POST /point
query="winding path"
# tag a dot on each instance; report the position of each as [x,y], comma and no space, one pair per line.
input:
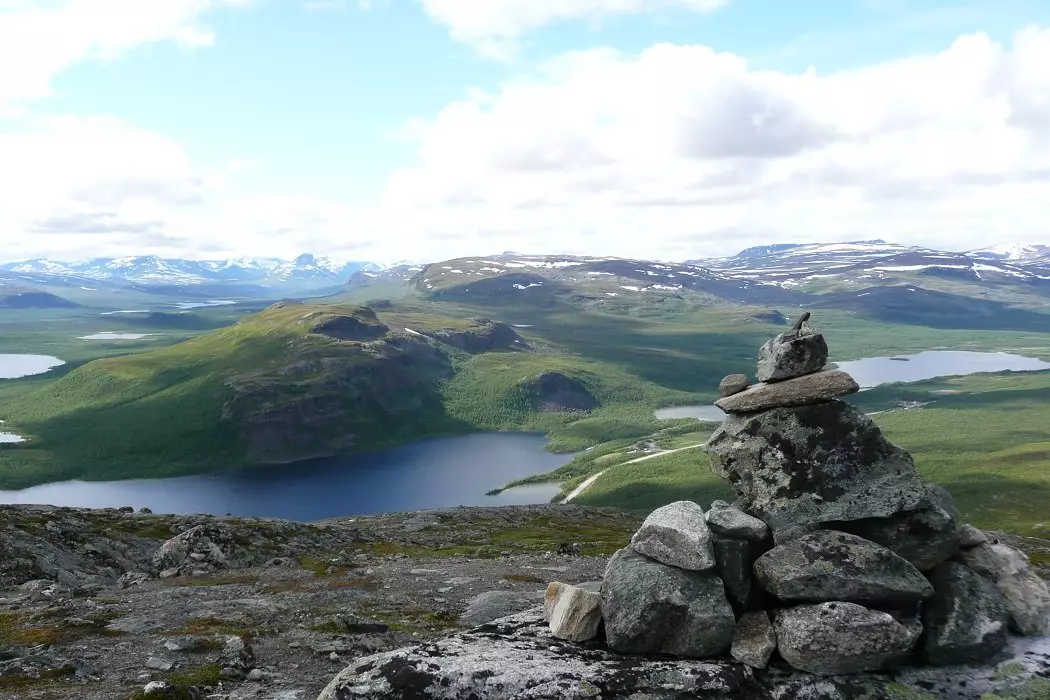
[589,481]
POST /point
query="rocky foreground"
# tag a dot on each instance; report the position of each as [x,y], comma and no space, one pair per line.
[95,606]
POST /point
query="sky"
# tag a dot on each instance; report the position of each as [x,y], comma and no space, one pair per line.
[422,130]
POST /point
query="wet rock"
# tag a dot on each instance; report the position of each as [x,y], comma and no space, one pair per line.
[808,389]
[970,536]
[732,384]
[727,521]
[494,604]
[1027,597]
[838,637]
[733,562]
[925,537]
[649,607]
[792,354]
[966,619]
[754,640]
[676,535]
[573,613]
[798,468]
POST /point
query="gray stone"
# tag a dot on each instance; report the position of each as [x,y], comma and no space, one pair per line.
[211,543]
[925,537]
[797,468]
[838,637]
[238,654]
[649,607]
[159,664]
[733,562]
[256,675]
[133,578]
[733,384]
[970,536]
[158,688]
[491,605]
[1027,597]
[592,586]
[754,640]
[828,565]
[800,391]
[676,535]
[792,354]
[727,521]
[573,613]
[966,619]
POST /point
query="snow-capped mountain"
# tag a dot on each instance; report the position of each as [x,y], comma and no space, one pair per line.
[1025,253]
[873,262]
[305,271]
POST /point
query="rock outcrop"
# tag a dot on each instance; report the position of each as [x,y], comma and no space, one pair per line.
[553,392]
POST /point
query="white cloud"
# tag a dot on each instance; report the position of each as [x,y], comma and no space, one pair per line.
[493,25]
[39,39]
[675,152]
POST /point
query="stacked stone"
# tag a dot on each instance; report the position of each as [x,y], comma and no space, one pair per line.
[835,553]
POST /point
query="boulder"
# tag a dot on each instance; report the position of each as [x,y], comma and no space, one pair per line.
[732,384]
[800,391]
[1027,596]
[798,468]
[966,619]
[925,537]
[792,354]
[573,613]
[728,521]
[676,535]
[203,545]
[828,565]
[516,657]
[733,561]
[838,637]
[653,608]
[491,605]
[754,640]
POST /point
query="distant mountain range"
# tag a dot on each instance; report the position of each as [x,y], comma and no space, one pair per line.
[305,270]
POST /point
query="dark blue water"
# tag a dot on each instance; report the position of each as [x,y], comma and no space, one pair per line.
[439,473]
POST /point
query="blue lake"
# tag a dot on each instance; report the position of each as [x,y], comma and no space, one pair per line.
[440,473]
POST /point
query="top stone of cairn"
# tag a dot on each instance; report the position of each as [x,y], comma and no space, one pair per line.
[796,353]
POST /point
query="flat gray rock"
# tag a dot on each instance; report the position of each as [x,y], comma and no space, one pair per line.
[798,468]
[676,535]
[836,638]
[828,565]
[653,608]
[494,604]
[800,391]
[966,620]
[792,354]
[728,521]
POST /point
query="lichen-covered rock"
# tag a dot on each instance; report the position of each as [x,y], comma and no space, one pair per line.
[732,384]
[728,521]
[1027,596]
[573,613]
[653,608]
[754,640]
[201,546]
[798,468]
[837,637]
[800,391]
[925,537]
[966,619]
[792,354]
[676,535]
[827,565]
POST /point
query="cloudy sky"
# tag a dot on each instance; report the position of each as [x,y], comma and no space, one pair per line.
[428,129]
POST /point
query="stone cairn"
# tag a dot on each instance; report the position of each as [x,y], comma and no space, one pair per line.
[835,555]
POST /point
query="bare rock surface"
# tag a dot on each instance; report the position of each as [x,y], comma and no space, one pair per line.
[810,388]
[792,354]
[676,535]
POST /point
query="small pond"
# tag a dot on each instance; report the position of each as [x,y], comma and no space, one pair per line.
[440,473]
[14,366]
